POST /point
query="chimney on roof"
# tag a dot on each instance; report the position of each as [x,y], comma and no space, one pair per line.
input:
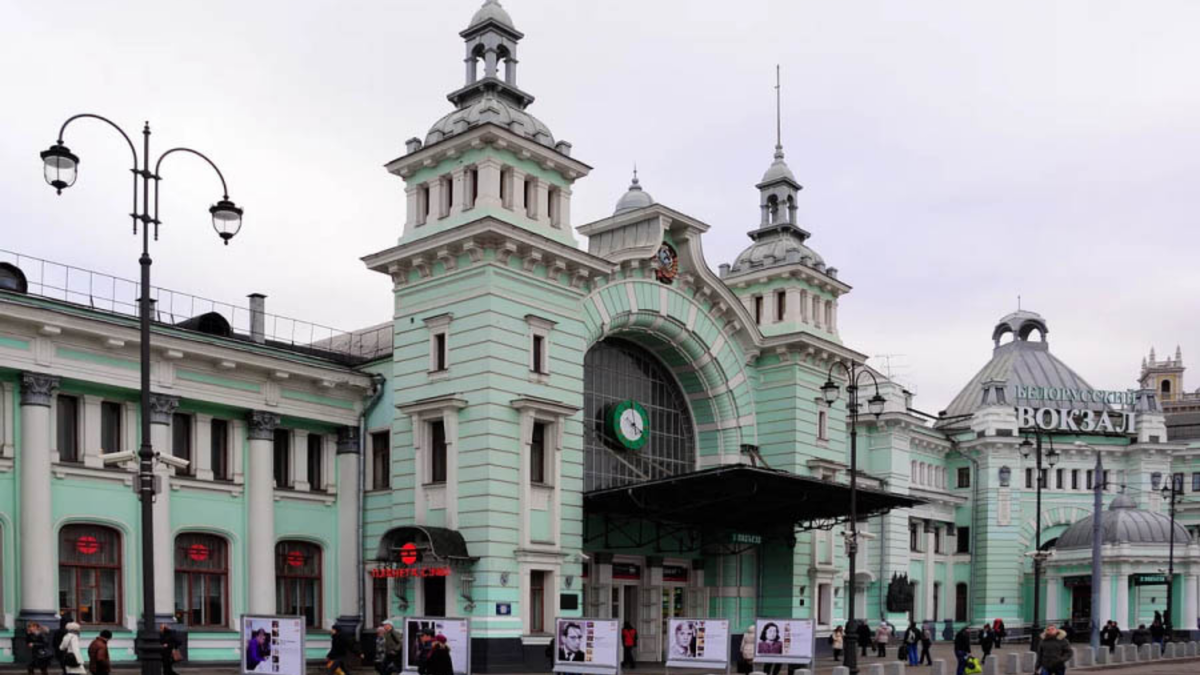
[258,317]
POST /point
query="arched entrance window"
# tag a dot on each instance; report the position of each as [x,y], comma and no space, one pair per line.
[201,580]
[617,371]
[298,580]
[89,573]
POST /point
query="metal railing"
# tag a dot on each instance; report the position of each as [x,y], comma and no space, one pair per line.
[115,295]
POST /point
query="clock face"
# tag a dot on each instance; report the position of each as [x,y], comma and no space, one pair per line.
[629,424]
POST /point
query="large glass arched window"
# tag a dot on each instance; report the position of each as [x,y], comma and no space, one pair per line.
[298,580]
[201,580]
[89,573]
[616,371]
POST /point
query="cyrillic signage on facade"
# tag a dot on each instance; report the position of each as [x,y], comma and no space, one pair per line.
[1075,420]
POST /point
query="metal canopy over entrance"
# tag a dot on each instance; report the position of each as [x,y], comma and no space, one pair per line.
[430,544]
[699,507]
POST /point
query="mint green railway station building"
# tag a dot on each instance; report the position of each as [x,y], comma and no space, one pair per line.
[558,420]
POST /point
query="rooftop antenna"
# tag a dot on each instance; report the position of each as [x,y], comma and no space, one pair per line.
[1018,301]
[778,115]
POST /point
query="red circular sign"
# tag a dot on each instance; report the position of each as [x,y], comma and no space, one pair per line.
[198,552]
[408,553]
[87,545]
[295,558]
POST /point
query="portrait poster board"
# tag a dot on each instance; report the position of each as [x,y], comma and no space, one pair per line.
[784,641]
[272,644]
[588,646]
[458,637]
[698,643]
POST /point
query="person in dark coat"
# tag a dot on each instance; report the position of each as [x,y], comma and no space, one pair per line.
[440,662]
[987,639]
[864,636]
[170,645]
[99,662]
[962,649]
[341,645]
[1140,635]
[1053,652]
[926,644]
[998,631]
[1157,631]
[37,638]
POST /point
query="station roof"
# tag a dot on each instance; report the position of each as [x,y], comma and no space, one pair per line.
[741,497]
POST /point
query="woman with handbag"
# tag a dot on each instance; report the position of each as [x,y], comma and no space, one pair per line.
[170,649]
[72,656]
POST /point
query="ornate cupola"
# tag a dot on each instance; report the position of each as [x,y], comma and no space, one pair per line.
[489,158]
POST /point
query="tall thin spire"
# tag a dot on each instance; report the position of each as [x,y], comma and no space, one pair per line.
[778,113]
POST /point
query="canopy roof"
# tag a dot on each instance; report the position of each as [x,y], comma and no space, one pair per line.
[438,544]
[742,498]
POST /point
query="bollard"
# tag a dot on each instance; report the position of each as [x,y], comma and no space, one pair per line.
[1085,656]
[1131,653]
[1012,664]
[939,667]
[894,668]
[989,666]
[803,671]
[1169,651]
[875,669]
[1028,659]
[1192,649]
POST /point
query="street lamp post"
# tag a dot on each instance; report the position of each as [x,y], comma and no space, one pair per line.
[875,405]
[1051,458]
[1171,493]
[61,168]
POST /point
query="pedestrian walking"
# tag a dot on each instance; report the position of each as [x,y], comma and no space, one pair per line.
[629,640]
[987,639]
[926,644]
[1053,652]
[99,662]
[863,632]
[999,632]
[882,635]
[170,649]
[838,640]
[37,639]
[341,646]
[962,649]
[393,648]
[56,640]
[912,637]
[1157,630]
[72,656]
[440,662]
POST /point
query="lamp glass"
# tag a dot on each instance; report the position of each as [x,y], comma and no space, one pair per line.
[830,391]
[1026,447]
[875,405]
[59,167]
[227,219]
[1052,457]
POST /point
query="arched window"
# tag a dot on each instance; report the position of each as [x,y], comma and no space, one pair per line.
[201,580]
[960,602]
[772,209]
[1166,387]
[298,580]
[89,573]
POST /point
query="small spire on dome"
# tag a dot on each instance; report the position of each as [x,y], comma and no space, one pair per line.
[635,197]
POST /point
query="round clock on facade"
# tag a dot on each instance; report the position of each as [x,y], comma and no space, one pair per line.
[629,424]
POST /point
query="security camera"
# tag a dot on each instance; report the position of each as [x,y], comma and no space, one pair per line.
[118,457]
[583,557]
[172,460]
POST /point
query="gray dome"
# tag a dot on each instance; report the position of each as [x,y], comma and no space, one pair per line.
[1124,523]
[774,246]
[778,169]
[490,108]
[634,198]
[491,10]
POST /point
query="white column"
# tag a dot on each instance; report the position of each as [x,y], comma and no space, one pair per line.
[1053,585]
[300,460]
[1191,588]
[518,191]
[489,183]
[542,195]
[459,191]
[435,201]
[349,454]
[1122,616]
[260,493]
[202,452]
[1106,612]
[412,202]
[161,409]
[930,544]
[36,544]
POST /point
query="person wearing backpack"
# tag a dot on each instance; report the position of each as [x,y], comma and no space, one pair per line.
[926,644]
[962,649]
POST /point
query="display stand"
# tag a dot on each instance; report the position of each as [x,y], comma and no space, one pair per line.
[698,643]
[790,641]
[272,644]
[458,638]
[587,646]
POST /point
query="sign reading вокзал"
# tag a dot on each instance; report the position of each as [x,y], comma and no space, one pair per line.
[1055,410]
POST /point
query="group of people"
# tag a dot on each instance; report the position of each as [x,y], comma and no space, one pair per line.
[1110,635]
[431,652]
[65,647]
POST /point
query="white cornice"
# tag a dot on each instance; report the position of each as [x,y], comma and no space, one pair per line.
[483,135]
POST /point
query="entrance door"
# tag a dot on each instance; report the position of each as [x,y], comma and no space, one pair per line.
[434,591]
[1081,604]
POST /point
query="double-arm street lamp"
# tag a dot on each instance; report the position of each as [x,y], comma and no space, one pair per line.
[61,169]
[875,404]
[1039,556]
[1172,491]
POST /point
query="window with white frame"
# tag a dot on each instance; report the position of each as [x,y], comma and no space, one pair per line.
[538,456]
[381,460]
[67,409]
[438,461]
[111,414]
[181,443]
[439,342]
[822,425]
[219,449]
[539,344]
[316,462]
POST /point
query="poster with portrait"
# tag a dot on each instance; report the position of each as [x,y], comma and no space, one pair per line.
[420,633]
[272,644]
[590,646]
[783,641]
[698,643]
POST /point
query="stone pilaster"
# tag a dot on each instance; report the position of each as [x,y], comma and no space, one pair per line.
[36,544]
[162,408]
[260,539]
[350,576]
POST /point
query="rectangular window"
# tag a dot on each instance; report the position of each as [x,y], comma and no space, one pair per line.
[914,537]
[1043,481]
[1074,479]
[758,309]
[964,540]
[219,449]
[380,611]
[110,426]
[447,195]
[437,451]
[554,206]
[1196,482]
[181,442]
[822,425]
[537,602]
[1177,481]
[1058,479]
[537,454]
[1105,484]
[68,428]
[530,192]
[937,540]
[964,476]
[1090,478]
[381,460]
[960,602]
[505,183]
[439,352]
[1028,479]
[780,305]
[283,458]
[316,462]
[473,189]
[423,206]
[539,354]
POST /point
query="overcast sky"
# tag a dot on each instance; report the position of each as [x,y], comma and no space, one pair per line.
[954,155]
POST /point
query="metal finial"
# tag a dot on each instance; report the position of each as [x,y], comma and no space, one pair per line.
[778,113]
[635,178]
